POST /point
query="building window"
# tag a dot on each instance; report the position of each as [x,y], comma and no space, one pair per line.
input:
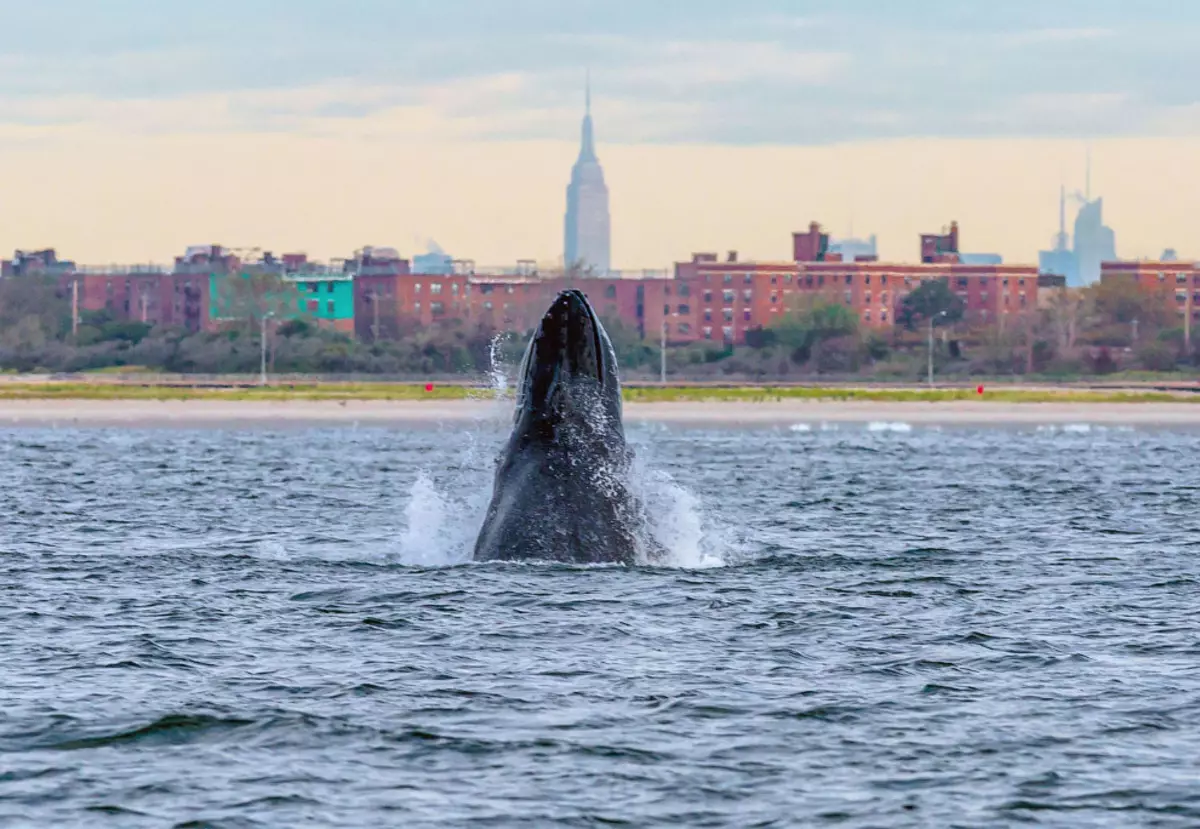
[684,328]
[808,281]
[727,331]
[314,305]
[684,291]
[748,294]
[867,279]
[708,296]
[883,298]
[329,290]
[748,279]
[729,297]
[509,289]
[1180,278]
[728,315]
[849,297]
[435,287]
[728,278]
[962,282]
[746,315]
[487,306]
[849,279]
[329,307]
[417,308]
[683,309]
[883,316]
[774,298]
[866,316]
[820,280]
[708,332]
[1162,277]
[708,315]
[666,310]
[867,298]
[610,292]
[774,280]
[485,289]
[883,279]
[437,307]
[454,288]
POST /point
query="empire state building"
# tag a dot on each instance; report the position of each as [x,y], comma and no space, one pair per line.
[586,241]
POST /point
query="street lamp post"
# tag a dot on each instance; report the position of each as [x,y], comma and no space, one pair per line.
[931,320]
[662,352]
[263,344]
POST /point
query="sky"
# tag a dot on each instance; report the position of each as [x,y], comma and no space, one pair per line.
[130,129]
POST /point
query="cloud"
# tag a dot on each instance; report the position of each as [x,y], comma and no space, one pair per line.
[700,71]
[1037,37]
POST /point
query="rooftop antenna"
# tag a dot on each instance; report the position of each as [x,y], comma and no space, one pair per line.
[1087,182]
[587,93]
[1062,210]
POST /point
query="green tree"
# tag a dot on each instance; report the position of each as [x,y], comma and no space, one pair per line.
[812,321]
[37,297]
[249,296]
[932,299]
[1118,302]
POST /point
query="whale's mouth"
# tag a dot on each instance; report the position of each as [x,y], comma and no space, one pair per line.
[569,338]
[569,363]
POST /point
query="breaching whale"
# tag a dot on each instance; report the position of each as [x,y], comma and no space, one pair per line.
[561,490]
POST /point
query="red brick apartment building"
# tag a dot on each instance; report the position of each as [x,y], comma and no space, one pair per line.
[728,298]
[1180,278]
[144,295]
[390,300]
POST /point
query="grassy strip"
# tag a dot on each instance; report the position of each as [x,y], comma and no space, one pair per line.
[402,391]
[343,391]
[768,394]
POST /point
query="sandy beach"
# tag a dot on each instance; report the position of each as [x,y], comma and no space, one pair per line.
[303,413]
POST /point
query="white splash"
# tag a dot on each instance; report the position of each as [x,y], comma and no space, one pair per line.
[439,529]
[496,372]
[801,427]
[880,426]
[676,523]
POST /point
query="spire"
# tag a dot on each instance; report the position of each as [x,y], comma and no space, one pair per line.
[587,149]
[1087,185]
[1062,210]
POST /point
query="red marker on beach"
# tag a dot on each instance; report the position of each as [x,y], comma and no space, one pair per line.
[429,387]
[979,390]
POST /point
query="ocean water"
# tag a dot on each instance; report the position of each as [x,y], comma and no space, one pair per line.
[872,625]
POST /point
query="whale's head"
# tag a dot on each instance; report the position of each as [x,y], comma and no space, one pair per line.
[569,374]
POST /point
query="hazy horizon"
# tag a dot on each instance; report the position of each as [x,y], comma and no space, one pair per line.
[128,133]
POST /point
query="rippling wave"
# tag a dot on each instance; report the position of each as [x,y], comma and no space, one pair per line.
[907,627]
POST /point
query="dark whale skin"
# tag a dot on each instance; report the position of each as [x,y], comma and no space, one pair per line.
[561,490]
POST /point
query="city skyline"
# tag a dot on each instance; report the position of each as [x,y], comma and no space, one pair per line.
[147,129]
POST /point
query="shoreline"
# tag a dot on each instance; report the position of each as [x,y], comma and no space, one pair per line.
[311,413]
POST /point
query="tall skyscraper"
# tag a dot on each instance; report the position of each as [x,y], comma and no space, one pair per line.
[1060,259]
[586,237]
[1094,241]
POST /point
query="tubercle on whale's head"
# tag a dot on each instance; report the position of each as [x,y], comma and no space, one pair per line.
[569,359]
